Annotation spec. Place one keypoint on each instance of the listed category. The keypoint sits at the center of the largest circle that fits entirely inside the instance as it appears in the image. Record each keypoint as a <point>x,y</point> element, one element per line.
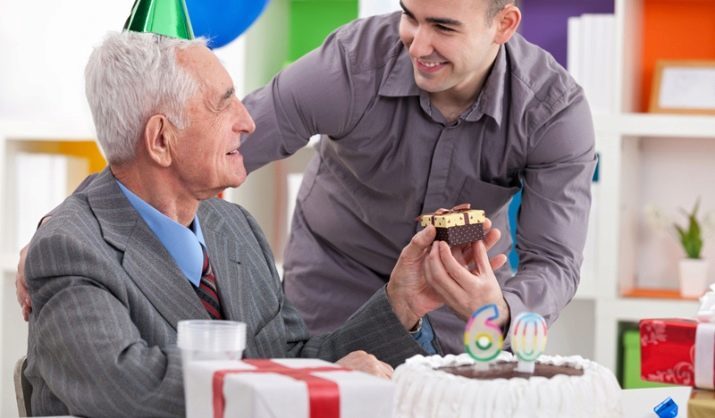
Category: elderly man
<point>146,245</point>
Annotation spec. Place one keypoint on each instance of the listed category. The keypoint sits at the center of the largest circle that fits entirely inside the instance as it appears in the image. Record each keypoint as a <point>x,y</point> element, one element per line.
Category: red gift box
<point>678,351</point>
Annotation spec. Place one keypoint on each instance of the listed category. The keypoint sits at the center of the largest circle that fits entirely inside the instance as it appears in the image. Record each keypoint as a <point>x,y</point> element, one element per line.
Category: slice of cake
<point>452,386</point>
<point>457,226</point>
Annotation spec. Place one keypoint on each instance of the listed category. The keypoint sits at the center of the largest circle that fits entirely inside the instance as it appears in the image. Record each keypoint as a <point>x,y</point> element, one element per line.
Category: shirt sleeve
<point>318,94</point>
<point>553,219</point>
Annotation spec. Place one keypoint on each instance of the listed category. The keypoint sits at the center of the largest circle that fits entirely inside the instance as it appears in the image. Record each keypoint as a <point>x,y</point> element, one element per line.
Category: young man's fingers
<point>491,238</point>
<point>437,275</point>
<point>498,261</point>
<point>482,258</point>
<point>458,272</point>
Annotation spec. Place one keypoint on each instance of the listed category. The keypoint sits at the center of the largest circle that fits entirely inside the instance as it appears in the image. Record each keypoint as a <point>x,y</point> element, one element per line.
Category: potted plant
<point>693,269</point>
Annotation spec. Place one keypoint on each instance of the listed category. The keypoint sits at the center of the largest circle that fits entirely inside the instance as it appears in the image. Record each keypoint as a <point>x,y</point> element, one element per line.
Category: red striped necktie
<point>207,290</point>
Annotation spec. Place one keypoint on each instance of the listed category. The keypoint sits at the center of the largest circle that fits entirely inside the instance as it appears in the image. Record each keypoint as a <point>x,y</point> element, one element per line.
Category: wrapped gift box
<point>456,226</point>
<point>701,404</point>
<point>296,388</point>
<point>678,351</point>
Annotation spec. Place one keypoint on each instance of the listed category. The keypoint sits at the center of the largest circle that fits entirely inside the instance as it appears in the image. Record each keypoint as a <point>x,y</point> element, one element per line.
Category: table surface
<point>639,403</point>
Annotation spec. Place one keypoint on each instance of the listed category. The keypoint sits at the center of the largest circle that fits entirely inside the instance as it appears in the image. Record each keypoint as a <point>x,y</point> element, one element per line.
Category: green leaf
<point>691,238</point>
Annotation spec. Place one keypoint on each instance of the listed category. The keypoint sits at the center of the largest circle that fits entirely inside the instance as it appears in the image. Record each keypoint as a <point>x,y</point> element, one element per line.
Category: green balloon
<point>162,17</point>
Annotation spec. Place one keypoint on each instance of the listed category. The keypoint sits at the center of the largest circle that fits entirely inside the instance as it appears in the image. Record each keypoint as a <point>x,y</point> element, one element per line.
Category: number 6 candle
<point>483,339</point>
<point>528,339</point>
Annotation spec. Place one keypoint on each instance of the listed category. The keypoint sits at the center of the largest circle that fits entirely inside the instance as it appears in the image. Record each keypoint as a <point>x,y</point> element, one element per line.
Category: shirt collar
<point>491,99</point>
<point>400,82</point>
<point>183,244</point>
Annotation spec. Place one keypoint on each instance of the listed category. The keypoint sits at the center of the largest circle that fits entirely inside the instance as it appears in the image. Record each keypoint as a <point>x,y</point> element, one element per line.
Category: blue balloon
<point>221,21</point>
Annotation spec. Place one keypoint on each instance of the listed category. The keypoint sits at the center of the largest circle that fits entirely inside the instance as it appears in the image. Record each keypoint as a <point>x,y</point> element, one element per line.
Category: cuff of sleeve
<point>424,335</point>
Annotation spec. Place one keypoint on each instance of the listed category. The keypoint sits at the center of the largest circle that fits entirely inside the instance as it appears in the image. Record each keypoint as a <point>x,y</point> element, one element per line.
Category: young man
<point>439,105</point>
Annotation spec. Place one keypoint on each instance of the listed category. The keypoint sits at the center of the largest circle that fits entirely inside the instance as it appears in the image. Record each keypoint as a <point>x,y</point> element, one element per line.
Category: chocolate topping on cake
<point>507,370</point>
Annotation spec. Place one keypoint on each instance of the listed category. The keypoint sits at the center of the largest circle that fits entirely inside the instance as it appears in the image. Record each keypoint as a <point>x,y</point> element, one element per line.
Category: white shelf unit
<point>661,160</point>
<point>667,161</point>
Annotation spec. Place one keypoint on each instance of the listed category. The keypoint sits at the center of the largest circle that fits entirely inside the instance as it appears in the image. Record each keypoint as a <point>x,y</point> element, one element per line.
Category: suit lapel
<point>145,259</point>
<point>154,271</point>
<point>231,258</point>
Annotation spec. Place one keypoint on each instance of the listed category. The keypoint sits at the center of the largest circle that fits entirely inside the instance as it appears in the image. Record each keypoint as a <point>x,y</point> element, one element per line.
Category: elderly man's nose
<point>244,122</point>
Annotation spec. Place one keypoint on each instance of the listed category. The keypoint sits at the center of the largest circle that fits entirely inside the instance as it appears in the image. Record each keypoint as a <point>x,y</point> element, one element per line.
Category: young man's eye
<point>443,28</point>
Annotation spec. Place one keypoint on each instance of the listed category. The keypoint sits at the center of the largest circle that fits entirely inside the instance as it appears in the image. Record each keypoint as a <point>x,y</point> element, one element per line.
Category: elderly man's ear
<point>159,138</point>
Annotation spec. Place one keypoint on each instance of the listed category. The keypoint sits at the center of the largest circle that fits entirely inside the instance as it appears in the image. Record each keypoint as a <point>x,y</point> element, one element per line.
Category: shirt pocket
<point>489,197</point>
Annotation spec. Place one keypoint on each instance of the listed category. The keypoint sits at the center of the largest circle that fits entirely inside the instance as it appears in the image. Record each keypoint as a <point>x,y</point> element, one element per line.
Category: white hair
<point>130,77</point>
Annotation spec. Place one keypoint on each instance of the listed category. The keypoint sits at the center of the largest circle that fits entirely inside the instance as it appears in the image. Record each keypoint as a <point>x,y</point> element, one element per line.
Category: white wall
<point>44,45</point>
<point>376,7</point>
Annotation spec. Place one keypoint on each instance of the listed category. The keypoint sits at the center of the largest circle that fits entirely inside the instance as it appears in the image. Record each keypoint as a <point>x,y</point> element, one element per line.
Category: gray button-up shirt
<point>389,156</point>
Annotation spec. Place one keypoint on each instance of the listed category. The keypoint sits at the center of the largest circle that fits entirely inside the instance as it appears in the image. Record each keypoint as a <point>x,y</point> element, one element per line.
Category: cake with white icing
<point>452,386</point>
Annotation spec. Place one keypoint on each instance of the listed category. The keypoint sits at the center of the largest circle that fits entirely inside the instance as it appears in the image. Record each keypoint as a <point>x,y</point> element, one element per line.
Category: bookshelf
<point>646,159</point>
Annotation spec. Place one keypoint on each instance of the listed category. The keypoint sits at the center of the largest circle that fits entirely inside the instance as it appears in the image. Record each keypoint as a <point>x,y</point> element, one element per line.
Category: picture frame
<point>683,87</point>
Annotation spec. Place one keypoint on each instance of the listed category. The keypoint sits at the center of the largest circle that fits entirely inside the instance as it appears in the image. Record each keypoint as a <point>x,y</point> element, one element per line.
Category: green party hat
<point>163,17</point>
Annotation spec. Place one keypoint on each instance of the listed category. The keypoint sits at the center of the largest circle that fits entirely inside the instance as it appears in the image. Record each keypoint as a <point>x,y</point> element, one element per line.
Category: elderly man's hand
<point>410,295</point>
<point>23,298</point>
<point>364,362</point>
<point>465,278</point>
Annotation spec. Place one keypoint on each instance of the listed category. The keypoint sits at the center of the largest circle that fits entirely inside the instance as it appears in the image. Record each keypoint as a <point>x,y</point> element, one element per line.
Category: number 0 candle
<point>528,339</point>
<point>483,339</point>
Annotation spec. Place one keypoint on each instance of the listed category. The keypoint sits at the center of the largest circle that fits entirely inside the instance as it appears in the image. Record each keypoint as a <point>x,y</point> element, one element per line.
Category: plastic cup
<point>211,340</point>
<point>201,340</point>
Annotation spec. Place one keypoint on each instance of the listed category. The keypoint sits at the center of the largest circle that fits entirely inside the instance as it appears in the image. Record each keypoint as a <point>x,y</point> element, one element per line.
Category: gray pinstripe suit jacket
<point>106,299</point>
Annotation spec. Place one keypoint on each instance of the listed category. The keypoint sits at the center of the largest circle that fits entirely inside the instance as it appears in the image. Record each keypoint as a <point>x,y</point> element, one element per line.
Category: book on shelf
<point>591,58</point>
<point>42,181</point>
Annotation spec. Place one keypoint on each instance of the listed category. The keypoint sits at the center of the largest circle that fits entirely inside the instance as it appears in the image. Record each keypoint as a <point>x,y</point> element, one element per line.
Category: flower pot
<point>693,275</point>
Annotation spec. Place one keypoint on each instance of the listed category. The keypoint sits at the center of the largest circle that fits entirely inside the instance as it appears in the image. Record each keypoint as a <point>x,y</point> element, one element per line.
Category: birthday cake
<point>453,386</point>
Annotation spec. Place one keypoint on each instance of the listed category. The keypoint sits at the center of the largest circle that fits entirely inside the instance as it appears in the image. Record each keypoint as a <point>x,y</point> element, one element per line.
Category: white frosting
<point>423,392</point>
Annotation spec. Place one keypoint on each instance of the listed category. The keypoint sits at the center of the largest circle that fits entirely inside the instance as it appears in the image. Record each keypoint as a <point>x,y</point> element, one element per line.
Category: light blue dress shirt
<point>183,244</point>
